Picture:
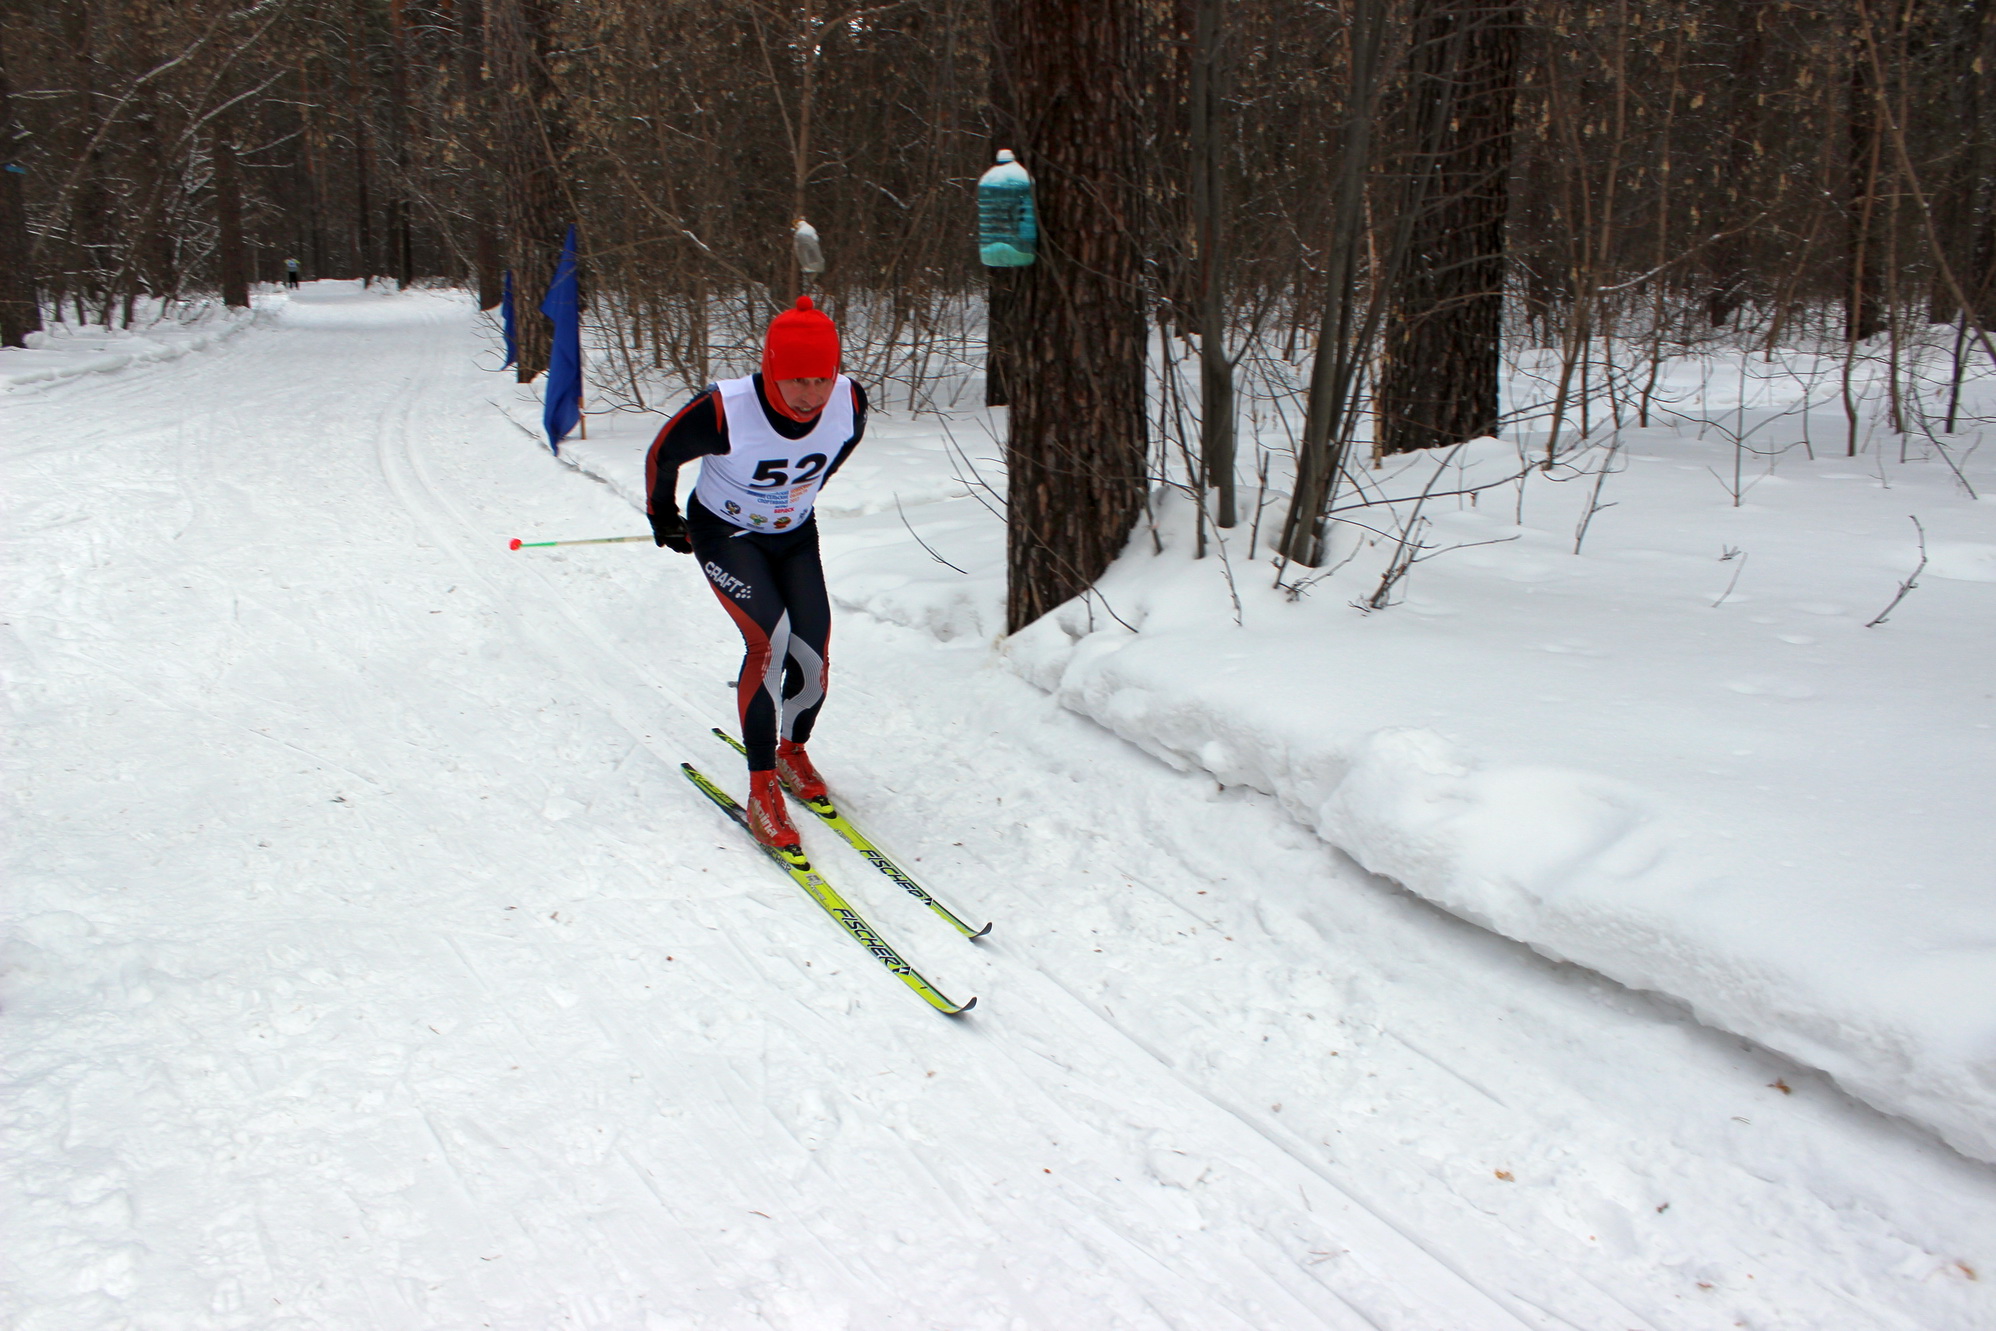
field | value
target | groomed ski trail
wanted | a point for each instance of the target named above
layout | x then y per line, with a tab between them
374	967
1421	1285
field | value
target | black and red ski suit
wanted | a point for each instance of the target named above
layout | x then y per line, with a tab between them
772	583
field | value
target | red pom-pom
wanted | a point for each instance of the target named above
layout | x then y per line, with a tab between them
515	545
804	303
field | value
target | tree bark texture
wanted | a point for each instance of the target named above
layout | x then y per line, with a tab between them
490	268
1001	333
1077	450
1438	382
20	304
231	264
1972	234
1731	261
358	77
487	262
400	204
1209	204
1863	315
1002	285
526	117
1342	335
151	264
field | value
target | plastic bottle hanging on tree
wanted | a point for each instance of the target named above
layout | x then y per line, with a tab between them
1008	234
810	255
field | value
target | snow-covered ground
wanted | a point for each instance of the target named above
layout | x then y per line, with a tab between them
368	963
64	350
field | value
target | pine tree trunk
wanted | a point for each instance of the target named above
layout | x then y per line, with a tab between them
1730	264
20	304
1077	454
1967	209
485	257
151	263
1216	369
1002	285
526	119
488	262
360	88
231	268
311	149
1001	332
1862	316
1343	335
1438	383
363	215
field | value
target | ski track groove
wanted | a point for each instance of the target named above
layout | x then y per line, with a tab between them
1274	1138
403	471
538	604
406	455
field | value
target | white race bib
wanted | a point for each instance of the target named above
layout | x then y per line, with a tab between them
765	482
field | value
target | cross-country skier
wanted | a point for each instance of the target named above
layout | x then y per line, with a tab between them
766	443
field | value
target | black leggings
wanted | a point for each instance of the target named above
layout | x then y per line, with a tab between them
774	586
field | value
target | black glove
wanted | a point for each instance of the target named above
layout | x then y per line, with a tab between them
669	529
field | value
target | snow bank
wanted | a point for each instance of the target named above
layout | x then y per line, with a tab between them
1680	759
67	351
1858	940
423	989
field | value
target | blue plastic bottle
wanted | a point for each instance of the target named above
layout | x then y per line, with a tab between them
1008	235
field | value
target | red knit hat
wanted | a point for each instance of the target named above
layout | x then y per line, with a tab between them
802	344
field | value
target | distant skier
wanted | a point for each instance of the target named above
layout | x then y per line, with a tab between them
291	273
767	443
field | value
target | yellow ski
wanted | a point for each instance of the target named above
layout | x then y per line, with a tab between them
822	892
828	814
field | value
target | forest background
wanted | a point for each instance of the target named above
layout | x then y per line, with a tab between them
1361	205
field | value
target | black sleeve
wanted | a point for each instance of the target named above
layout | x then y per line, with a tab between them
858	430
696	431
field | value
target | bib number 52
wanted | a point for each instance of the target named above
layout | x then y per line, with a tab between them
773	473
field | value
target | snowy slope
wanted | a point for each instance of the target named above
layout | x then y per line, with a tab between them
1760	807
64	351
1677	756
369	964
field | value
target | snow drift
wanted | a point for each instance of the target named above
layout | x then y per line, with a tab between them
1766	917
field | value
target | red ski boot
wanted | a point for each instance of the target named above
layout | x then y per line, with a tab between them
793	765
768	820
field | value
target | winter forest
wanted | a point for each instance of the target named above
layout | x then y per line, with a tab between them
1444	619
1361	187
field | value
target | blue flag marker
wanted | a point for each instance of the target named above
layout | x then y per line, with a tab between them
561	403
506	321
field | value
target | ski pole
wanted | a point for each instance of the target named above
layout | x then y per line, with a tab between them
517	544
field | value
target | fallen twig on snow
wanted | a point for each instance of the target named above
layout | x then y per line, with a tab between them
1912	579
